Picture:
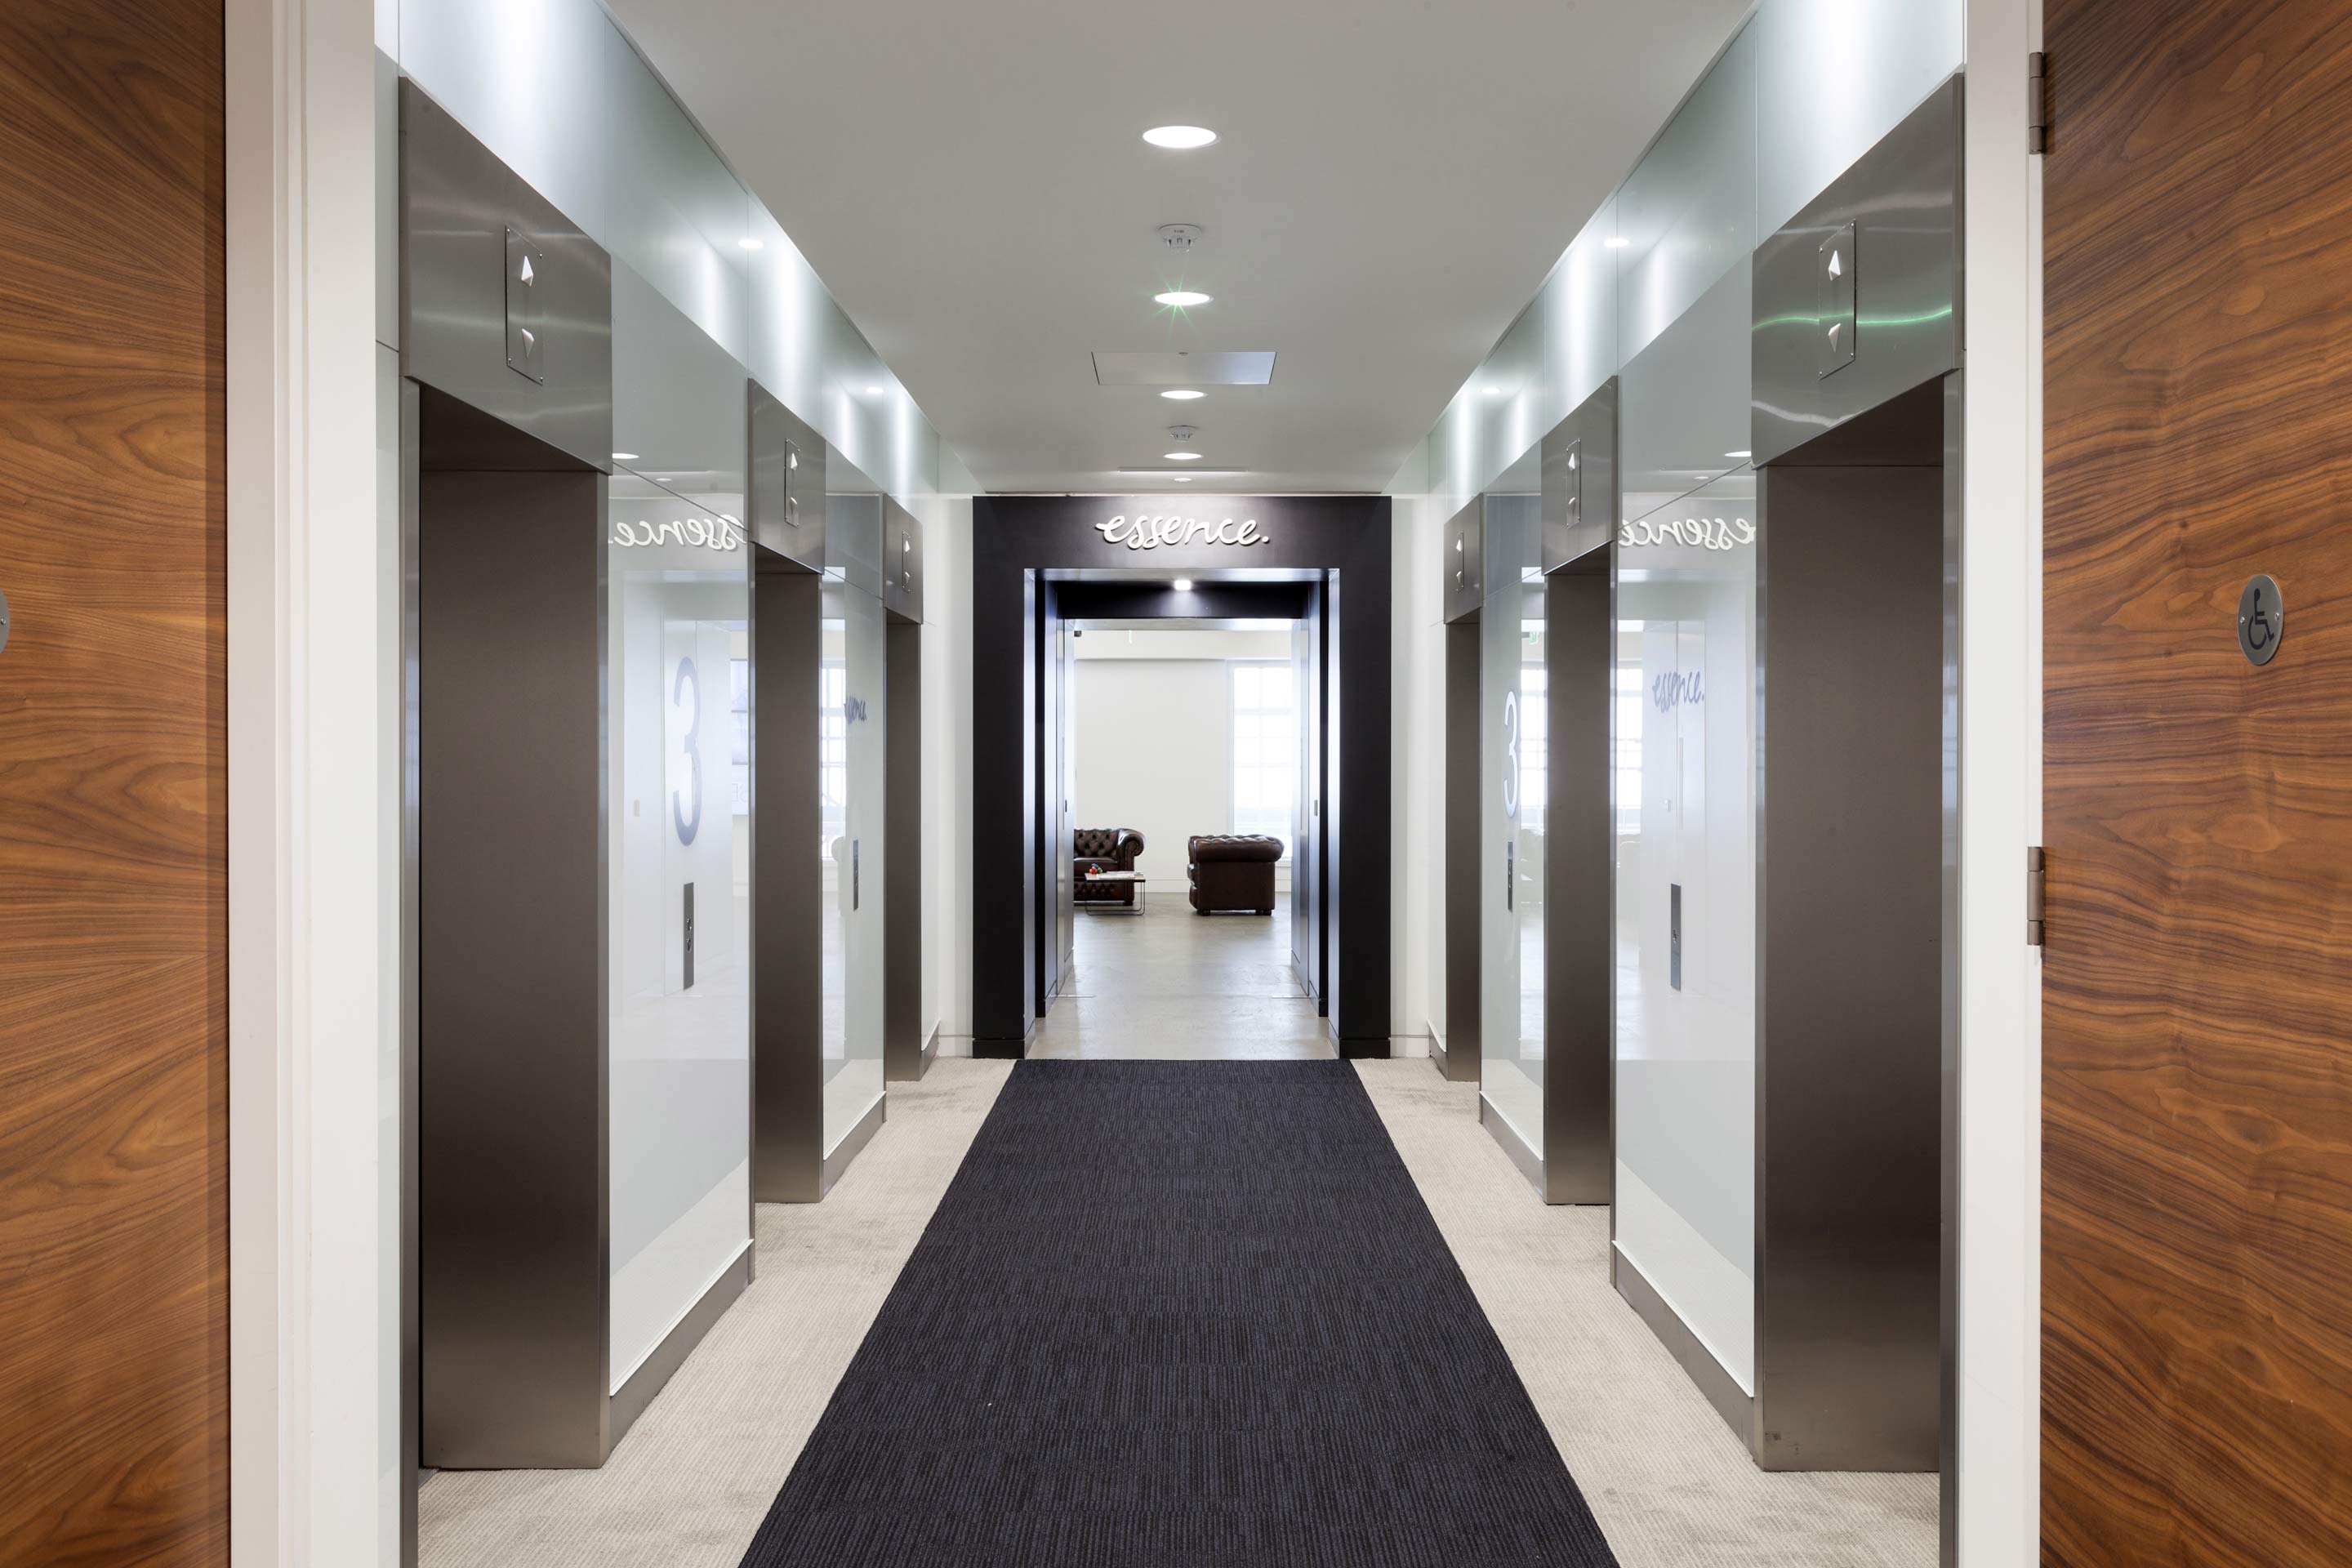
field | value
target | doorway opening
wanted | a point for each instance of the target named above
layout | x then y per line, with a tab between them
1185	757
1188	713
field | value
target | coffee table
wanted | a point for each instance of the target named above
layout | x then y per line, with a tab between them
1133	879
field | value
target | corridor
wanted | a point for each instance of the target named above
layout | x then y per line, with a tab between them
1058	783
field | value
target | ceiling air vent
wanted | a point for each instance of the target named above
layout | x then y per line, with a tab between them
1204	367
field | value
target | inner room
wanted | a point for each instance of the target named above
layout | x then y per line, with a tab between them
1186	746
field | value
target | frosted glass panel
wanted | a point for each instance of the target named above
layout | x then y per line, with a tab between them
557	91
1687	212
850	715
1686	1039
1512	784
1832	78
679	911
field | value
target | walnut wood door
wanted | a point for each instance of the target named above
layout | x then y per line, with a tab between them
113	937
2197	1244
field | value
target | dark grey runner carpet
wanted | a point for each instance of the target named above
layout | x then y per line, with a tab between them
1177	1315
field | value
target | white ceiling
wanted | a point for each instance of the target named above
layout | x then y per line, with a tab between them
1395	178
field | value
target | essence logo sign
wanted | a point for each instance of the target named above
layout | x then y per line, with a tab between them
721	534
1674	689
1151	532
1701	532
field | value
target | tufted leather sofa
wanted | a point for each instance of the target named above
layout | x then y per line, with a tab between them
1232	871
1111	850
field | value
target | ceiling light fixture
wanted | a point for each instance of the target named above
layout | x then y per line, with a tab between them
1616	242
1494	392
1740	454
1182	298
1180	137
872	392
625	457
1183	585
1183	394
748	242
1182	479
1181	457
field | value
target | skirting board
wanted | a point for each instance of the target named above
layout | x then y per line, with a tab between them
1530	1162
923	1061
638	1392
856	1138
1733	1403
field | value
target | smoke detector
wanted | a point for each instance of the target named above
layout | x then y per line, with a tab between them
1179	237
1181	433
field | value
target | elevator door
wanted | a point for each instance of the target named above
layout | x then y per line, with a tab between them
2197	1244
113	787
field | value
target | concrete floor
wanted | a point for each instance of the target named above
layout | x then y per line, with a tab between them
1171	983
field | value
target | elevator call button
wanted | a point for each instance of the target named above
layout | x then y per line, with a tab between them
1834	280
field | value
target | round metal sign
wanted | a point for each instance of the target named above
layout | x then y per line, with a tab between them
2262	620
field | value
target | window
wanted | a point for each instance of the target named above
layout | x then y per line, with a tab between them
739	703
833	748
1265	749
1534	729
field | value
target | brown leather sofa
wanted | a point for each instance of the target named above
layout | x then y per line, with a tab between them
1107	849
1232	872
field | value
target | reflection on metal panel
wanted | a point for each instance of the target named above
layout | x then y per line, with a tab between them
1856	298
507	303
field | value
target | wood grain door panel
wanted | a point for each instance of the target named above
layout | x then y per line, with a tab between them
114	802
2197	1248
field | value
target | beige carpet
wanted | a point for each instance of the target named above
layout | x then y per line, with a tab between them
1670	1485
694	1477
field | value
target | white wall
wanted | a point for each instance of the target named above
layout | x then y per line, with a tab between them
1998	1507
946	760
314	819
1155	753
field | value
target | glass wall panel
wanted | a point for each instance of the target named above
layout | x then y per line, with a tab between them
1685	1037
680	909
1511	966
851	719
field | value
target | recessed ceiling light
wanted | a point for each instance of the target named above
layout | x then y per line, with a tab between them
1494	392
1180	137
872	392
1616	242
1181	457
1183	585
1184	394
1740	454
1183	299
1182	479
625	457
748	242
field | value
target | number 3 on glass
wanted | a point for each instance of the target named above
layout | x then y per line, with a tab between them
1511	754
686	691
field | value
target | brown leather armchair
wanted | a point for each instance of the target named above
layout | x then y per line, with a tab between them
1106	849
1232	871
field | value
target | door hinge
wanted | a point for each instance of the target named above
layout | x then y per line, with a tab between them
2037	104
2036	895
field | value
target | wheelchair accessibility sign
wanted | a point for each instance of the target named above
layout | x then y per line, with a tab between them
2262	620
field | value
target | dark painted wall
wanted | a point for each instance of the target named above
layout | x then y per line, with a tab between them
1017	537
